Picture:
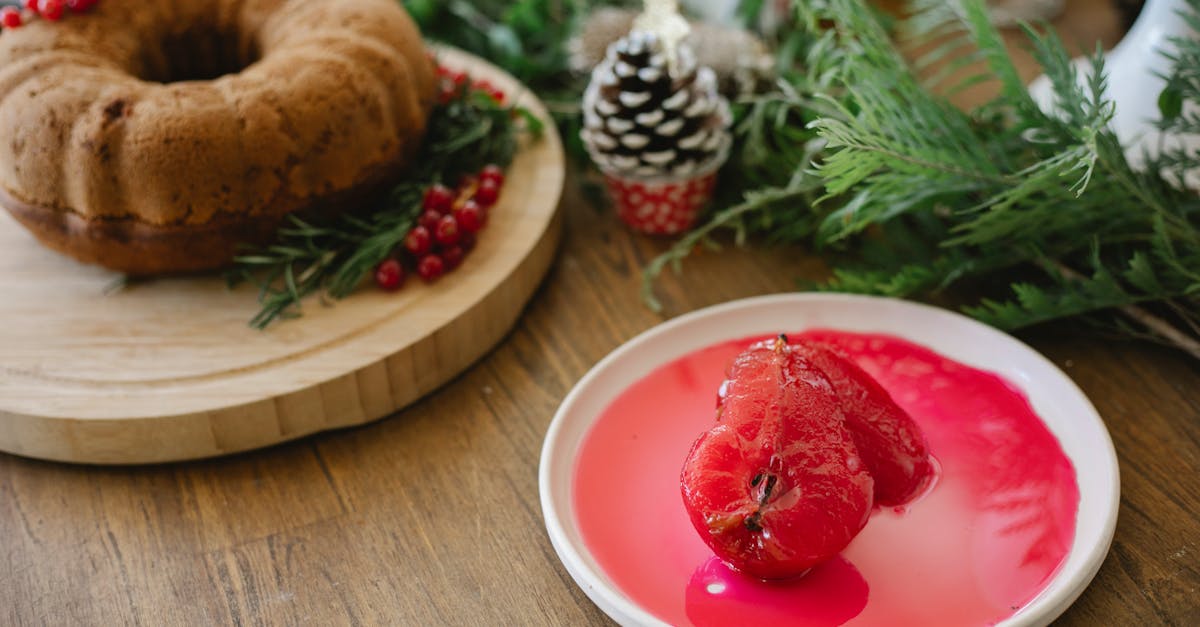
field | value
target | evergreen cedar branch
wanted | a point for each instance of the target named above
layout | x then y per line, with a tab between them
908	195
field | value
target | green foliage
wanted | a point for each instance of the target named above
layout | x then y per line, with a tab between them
920	195
332	257
1042	190
526	37
861	155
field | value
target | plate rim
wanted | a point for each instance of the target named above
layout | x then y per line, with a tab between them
1050	602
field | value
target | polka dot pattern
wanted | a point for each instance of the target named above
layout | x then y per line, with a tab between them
661	208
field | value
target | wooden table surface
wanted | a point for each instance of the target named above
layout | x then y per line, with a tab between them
432	516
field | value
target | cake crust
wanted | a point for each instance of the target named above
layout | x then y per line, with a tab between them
159	136
138	248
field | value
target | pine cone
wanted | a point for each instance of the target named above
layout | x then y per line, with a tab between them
739	58
641	120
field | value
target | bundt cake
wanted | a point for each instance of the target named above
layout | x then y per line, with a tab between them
156	136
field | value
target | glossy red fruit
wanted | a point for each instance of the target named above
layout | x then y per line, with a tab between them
891	444
429	219
389	275
51	9
488	88
487	193
430	267
438	198
79	6
32	5
418	241
447	233
494	173
777	486
10	17
453	256
497	94
471	217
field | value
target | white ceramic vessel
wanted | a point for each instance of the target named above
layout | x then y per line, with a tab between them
1136	67
1061	405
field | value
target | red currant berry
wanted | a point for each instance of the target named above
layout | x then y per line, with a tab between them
439	198
10	16
447	232
492	173
471	216
467	241
51	9
430	267
453	257
418	241
429	219
488	88
79	6
487	193
389	275
32	5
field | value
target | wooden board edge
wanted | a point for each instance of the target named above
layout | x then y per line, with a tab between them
365	395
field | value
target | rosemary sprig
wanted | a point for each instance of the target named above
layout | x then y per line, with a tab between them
332	257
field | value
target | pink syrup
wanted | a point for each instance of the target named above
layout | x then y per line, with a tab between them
985	539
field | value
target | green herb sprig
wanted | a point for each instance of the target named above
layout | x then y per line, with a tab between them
528	38
332	257
916	195
860	155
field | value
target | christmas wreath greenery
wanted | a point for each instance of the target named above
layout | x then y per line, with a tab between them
858	154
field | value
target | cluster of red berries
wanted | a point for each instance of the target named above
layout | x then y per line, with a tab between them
445	230
52	10
451	84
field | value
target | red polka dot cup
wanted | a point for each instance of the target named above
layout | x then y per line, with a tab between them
661	207
664	205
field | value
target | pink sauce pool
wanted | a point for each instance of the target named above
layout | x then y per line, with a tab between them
983	542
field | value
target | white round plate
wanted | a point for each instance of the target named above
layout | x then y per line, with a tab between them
1060	404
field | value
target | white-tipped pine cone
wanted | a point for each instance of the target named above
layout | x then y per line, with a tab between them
740	59
642	120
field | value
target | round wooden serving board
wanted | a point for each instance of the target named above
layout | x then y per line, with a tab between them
169	370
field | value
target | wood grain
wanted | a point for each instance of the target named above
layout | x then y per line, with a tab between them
169	370
432	517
